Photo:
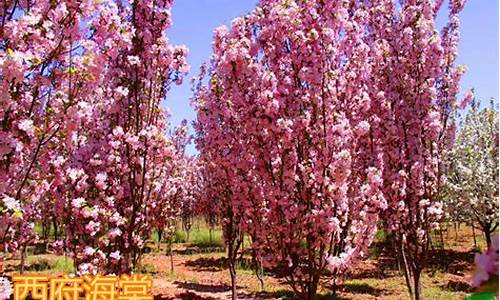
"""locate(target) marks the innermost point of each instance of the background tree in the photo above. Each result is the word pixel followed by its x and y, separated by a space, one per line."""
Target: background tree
pixel 415 88
pixel 472 175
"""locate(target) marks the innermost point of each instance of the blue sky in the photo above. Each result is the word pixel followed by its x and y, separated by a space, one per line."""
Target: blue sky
pixel 195 20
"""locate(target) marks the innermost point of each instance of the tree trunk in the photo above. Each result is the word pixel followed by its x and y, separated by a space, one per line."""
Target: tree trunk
pixel 474 236
pixel 232 272
pixel 170 253
pixel 23 258
pixel 260 274
pixel 232 254
pixel 417 285
pixel 160 234
pixel 56 230
pixel 407 271
pixel 313 288
pixel 456 232
pixel 334 289
pixel 487 235
pixel 441 237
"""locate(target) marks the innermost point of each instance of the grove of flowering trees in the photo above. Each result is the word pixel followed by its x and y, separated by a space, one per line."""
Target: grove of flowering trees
pixel 318 123
pixel 472 176
pixel 299 171
pixel 311 107
pixel 82 127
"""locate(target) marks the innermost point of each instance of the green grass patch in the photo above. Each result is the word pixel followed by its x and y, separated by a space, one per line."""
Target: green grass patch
pixel 59 264
pixel 201 238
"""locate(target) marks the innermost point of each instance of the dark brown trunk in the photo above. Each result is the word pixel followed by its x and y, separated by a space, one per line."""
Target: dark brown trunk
pixel 474 236
pixel 407 271
pixel 417 285
pixel 23 258
pixel 260 275
pixel 56 229
pixel 487 235
pixel 171 254
pixel 312 290
pixel 160 234
pixel 232 273
pixel 334 289
pixel 441 237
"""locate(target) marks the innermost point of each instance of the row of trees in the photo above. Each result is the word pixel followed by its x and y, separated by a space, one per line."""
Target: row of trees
pixel 320 120
pixel 83 138
pixel 317 122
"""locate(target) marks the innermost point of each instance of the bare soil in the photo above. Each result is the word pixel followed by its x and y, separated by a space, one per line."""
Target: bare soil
pixel 202 274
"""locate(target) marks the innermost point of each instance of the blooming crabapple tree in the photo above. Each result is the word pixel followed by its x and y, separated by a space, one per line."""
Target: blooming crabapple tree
pixel 287 127
pixel 472 175
pixel 179 189
pixel 41 45
pixel 218 198
pixel 415 89
pixel 216 142
pixel 120 153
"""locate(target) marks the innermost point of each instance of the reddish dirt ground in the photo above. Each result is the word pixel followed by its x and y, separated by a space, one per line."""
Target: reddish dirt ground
pixel 203 275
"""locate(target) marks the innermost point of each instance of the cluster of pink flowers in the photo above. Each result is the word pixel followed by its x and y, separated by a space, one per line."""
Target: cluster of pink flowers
pixel 84 139
pixel 318 117
pixel 486 265
pixel 5 288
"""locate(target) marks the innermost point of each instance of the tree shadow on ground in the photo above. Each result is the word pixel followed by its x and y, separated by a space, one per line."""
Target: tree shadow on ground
pixel 41 265
pixel 204 288
pixel 193 296
pixel 278 294
pixel 184 296
pixel 444 260
pixel 451 261
pixel 457 286
pixel 207 264
pixel 285 294
pixel 215 264
pixel 163 297
pixel 197 250
pixel 362 288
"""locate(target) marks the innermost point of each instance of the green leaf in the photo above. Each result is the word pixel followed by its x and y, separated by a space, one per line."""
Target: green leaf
pixel 72 70
pixel 481 296
pixel 18 214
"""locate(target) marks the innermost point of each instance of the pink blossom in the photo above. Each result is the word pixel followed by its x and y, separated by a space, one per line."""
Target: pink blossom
pixel 89 251
pixel 486 264
pixel 469 96
pixel 11 203
pixel 133 60
pixel 115 255
pixel 27 126
pixel 78 202
pixel 101 181
pixel 122 91
pixel 362 128
pixel 5 288
pixel 114 232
